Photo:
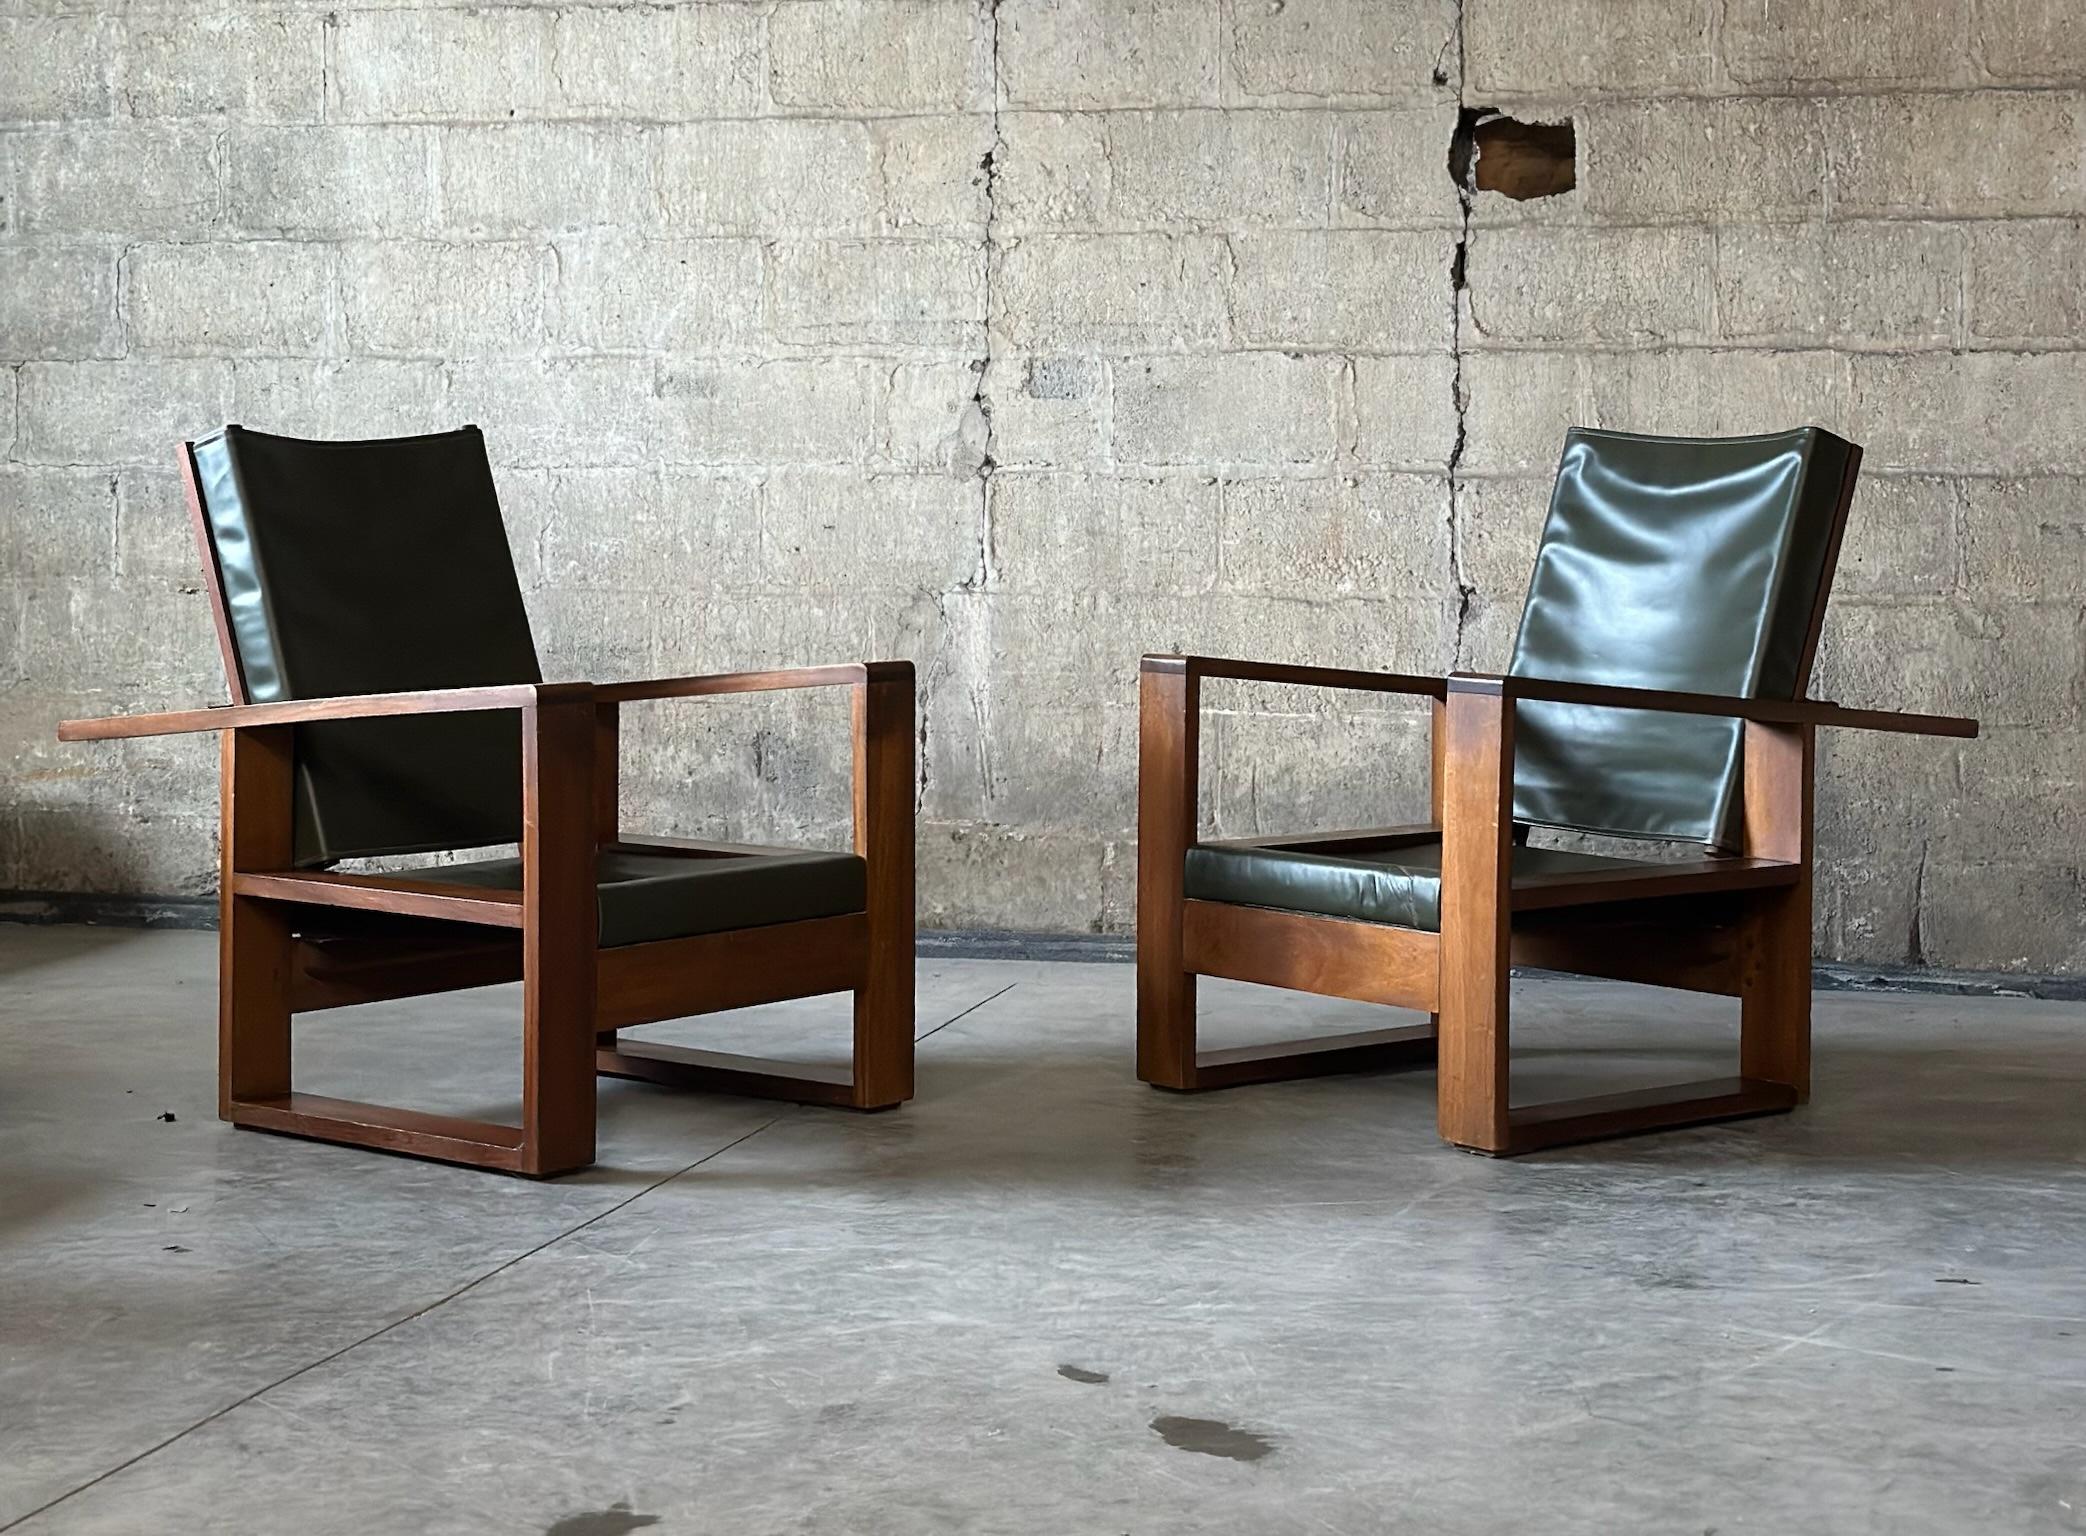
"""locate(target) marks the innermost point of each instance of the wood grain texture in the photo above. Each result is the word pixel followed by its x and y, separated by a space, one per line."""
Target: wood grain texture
pixel 674 1066
pixel 1477 849
pixel 559 935
pixel 884 776
pixel 1168 748
pixel 364 706
pixel 1775 970
pixel 255 971
pixel 712 972
pixel 445 1138
pixel 845 675
pixel 1329 956
pixel 1371 1050
pixel 386 893
pixel 1538 1126
pixel 1683 877
pixel 1349 679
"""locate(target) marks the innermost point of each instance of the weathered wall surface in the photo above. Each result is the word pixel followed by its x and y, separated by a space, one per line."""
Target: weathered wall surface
pixel 1023 339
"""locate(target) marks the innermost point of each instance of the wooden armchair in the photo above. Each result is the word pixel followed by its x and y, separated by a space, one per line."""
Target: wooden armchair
pixel 1656 692
pixel 387 700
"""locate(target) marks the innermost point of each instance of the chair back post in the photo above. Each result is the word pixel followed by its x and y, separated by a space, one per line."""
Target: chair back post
pixel 560 923
pixel 1476 877
pixel 1169 731
pixel 885 775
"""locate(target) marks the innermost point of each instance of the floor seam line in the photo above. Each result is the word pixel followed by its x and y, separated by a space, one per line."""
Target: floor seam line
pixel 414 1316
pixel 974 1007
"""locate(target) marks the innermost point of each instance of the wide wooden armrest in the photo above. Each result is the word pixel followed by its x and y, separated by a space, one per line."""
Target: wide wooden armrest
pixel 1306 677
pixel 1765 711
pixel 845 675
pixel 363 706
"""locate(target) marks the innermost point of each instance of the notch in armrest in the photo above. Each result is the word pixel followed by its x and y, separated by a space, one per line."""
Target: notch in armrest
pixel 1305 677
pixel 1764 711
pixel 364 706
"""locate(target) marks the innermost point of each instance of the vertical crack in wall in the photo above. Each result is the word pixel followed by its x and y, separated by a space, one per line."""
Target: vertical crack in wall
pixel 1462 166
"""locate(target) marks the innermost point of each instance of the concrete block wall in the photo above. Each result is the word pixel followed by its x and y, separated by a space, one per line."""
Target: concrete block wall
pixel 1024 337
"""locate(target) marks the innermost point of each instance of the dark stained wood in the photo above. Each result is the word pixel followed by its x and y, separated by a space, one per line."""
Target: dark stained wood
pixel 1764 711
pixel 387 893
pixel 559 934
pixel 1368 962
pixel 698 848
pixel 1685 877
pixel 1690 956
pixel 712 972
pixel 1537 1126
pixel 676 1066
pixel 1477 849
pixel 255 973
pixel 608 774
pixel 1359 840
pixel 882 727
pixel 1775 970
pixel 1168 750
pixel 340 974
pixel 446 1138
pixel 846 675
pixel 1372 1050
pixel 1306 677
pixel 298 711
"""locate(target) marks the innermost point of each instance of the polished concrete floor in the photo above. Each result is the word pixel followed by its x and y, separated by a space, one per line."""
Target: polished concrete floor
pixel 1041 1298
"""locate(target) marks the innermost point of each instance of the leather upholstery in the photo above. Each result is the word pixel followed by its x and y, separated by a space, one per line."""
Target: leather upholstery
pixel 1691 564
pixel 647 896
pixel 375 567
pixel 1401 886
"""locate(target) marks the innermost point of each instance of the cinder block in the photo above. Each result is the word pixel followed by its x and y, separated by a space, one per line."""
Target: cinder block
pixel 1583 48
pixel 54 68
pixel 1363 289
pixel 2027 280
pixel 2025 538
pixel 352 398
pixel 1746 158
pixel 240 64
pixel 2005 914
pixel 584 411
pixel 1355 535
pixel 817 411
pixel 931 172
pixel 879 56
pixel 1901 538
pixel 1078 532
pixel 1907 154
pixel 1405 410
pixel 929 418
pixel 962 877
pixel 1343 50
pixel 534 178
pixel 1392 167
pixel 57 301
pixel 644 530
pixel 663 63
pixel 1990 412
pixel 422 298
pixel 127 412
pixel 1282 773
pixel 614 293
pixel 804 176
pixel 1111 292
pixel 1108 53
pixel 56 523
pixel 1052 171
pixel 1499 527
pixel 1824 43
pixel 128 640
pixel 443 65
pixel 1221 168
pixel 104 847
pixel 1637 287
pixel 2013 665
pixel 2031 40
pixel 826 531
pixel 1048 411
pixel 1865 284
pixel 328 182
pixel 131 183
pixel 842 293
pixel 1249 408
pixel 207 299
pixel 155 540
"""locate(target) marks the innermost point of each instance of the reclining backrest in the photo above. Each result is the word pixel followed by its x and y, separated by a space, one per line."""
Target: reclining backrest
pixel 1693 564
pixel 372 567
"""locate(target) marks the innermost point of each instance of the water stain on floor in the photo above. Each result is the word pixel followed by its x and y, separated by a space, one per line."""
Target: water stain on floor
pixel 1079 1373
pixel 617 1520
pixel 1212 1437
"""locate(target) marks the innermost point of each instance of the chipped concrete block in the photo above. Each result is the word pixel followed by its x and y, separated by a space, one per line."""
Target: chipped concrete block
pixel 410 65
pixel 1342 50
pixel 2026 279
pixel 839 293
pixel 229 297
pixel 775 412
pixel 55 69
pixel 1111 292
pixel 1104 533
pixel 1349 289
pixel 119 412
pixel 880 55
pixel 843 531
pixel 1108 53
pixel 255 65
pixel 1990 154
pixel 660 63
pixel 1375 535
pixel 424 298
pixel 616 293
pixel 1829 43
pixel 1392 167
pixel 2025 538
pixel 1580 48
pixel 1871 284
pixel 1632 287
pixel 1264 408
pixel 328 182
pixel 58 302
pixel 123 182
pixel 1230 168
pixel 1052 171
pixel 807 176
pixel 529 178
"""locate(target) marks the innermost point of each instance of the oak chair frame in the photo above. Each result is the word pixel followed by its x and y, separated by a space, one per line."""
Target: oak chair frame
pixel 1736 926
pixel 576 996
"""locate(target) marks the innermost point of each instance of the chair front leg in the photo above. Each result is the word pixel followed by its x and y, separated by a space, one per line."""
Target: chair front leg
pixel 884 746
pixel 1168 736
pixel 253 936
pixel 1476 798
pixel 1775 975
pixel 559 935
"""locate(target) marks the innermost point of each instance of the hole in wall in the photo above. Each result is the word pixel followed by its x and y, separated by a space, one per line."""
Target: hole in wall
pixel 1492 152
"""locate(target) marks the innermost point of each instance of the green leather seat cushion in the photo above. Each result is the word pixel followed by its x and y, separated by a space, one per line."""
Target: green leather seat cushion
pixel 647 896
pixel 1400 886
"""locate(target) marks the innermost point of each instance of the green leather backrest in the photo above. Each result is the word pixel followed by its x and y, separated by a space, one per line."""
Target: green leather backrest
pixel 374 567
pixel 1692 564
